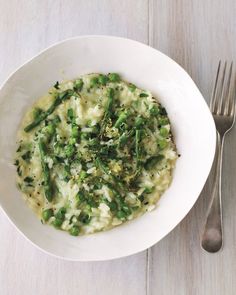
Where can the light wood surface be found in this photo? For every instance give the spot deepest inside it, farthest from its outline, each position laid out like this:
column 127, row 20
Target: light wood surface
column 196, row 33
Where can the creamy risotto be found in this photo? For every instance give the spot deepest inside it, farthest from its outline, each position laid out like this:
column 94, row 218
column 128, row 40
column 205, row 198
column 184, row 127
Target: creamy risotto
column 94, row 153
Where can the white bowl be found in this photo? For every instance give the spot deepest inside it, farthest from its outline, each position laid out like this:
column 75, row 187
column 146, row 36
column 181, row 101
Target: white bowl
column 192, row 123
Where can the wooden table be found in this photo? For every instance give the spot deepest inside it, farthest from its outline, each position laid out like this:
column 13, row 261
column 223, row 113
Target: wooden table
column 195, row 33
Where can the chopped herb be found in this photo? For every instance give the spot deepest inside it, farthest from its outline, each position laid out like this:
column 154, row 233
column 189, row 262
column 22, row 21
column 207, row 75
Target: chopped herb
column 56, row 85
column 28, row 179
column 143, row 95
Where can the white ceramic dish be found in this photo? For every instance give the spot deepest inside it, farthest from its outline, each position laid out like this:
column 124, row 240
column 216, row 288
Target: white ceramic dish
column 193, row 128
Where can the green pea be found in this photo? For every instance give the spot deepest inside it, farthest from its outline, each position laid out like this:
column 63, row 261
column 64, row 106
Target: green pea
column 121, row 214
column 162, row 143
column 92, row 203
column 112, row 205
column 74, row 231
column 148, row 190
column 80, row 197
column 152, row 161
column 78, row 85
column 132, row 87
column 163, row 121
column 126, row 209
column 83, row 175
column 164, row 131
column 154, row 111
column 47, row 214
column 103, row 79
column 93, row 81
column 139, row 121
column 114, row 77
column 57, row 222
column 61, row 213
column 70, row 114
column 84, row 218
column 75, row 131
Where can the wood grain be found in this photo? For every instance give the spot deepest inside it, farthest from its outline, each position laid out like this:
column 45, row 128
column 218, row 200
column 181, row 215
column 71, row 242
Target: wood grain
column 26, row 27
column 197, row 34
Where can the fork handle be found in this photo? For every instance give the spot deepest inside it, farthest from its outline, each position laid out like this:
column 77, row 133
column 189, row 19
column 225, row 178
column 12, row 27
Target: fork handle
column 212, row 238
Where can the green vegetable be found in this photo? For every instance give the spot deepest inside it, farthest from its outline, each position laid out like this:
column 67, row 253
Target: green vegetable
column 59, row 99
column 162, row 143
column 132, row 87
column 37, row 112
column 102, row 79
column 84, row 218
column 143, row 95
column 75, row 131
column 163, row 111
column 154, row 111
column 152, row 161
column 139, row 122
column 56, row 85
column 61, row 213
column 66, row 173
column 141, row 198
column 122, row 117
column 108, row 107
column 19, row 149
column 74, row 231
column 80, row 196
column 148, row 190
column 126, row 209
column 94, row 81
column 70, row 114
column 112, row 205
column 69, row 150
column 18, row 170
column 164, row 131
column 57, row 222
column 99, row 164
column 83, row 175
column 28, row 179
column 78, row 85
column 163, row 121
column 26, row 156
column 121, row 215
column 137, row 144
column 114, row 77
column 47, row 214
column 48, row 189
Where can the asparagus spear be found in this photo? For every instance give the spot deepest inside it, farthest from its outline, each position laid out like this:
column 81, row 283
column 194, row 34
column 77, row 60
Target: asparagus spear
column 108, row 108
column 48, row 190
column 122, row 117
column 137, row 140
column 59, row 99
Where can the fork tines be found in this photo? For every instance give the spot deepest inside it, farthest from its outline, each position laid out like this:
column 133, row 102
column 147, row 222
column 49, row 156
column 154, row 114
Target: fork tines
column 222, row 100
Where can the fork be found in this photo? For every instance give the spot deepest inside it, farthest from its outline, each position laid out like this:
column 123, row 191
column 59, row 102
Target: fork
column 222, row 106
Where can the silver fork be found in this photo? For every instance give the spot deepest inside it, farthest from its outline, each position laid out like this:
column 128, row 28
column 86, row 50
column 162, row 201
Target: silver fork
column 222, row 106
